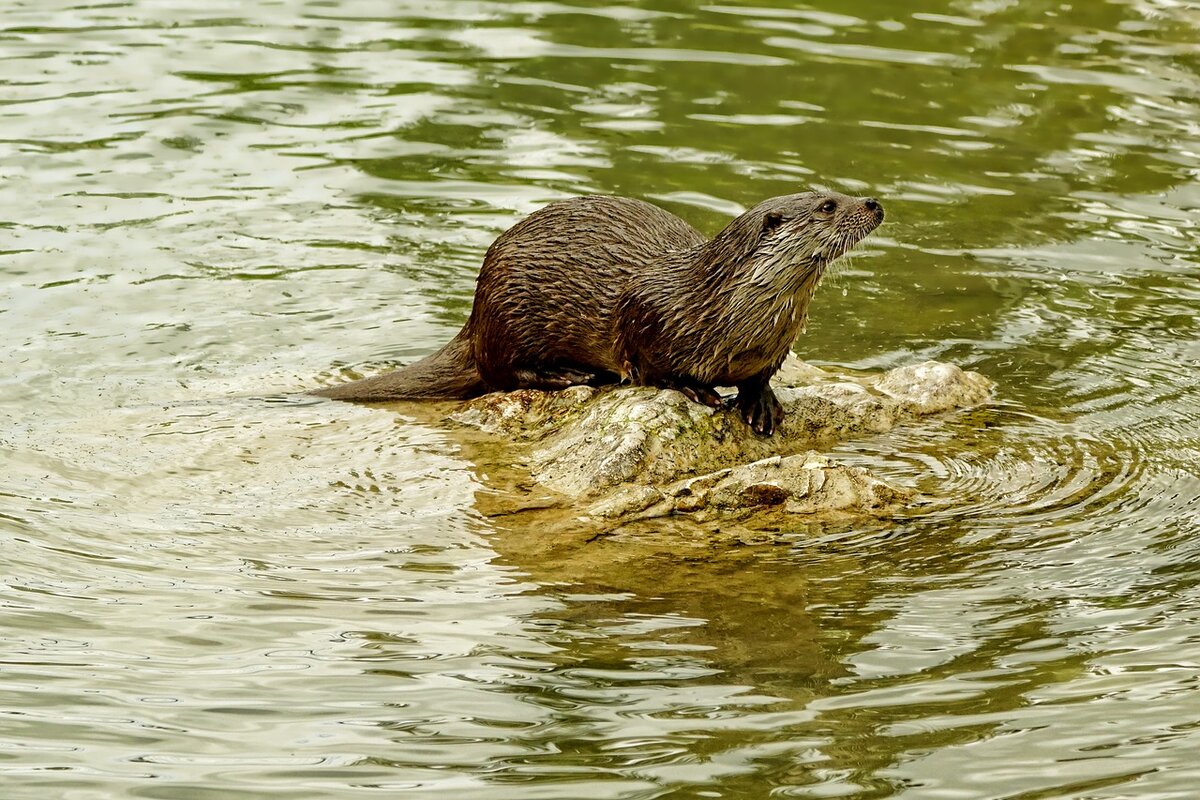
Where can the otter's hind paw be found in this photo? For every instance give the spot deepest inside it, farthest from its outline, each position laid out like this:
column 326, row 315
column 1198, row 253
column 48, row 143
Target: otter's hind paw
column 554, row 378
column 704, row 395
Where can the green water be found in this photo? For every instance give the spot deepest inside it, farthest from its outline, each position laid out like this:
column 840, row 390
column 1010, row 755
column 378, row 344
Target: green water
column 209, row 594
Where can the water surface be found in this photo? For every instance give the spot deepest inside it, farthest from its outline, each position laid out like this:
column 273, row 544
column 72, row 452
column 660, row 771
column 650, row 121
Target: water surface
column 212, row 592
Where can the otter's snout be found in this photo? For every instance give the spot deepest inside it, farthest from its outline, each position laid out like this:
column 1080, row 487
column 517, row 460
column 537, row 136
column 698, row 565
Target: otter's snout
column 875, row 207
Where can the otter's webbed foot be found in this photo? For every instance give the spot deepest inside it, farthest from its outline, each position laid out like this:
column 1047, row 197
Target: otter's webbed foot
column 697, row 393
column 759, row 407
column 558, row 378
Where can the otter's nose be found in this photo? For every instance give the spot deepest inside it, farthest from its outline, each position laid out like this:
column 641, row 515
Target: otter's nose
column 874, row 205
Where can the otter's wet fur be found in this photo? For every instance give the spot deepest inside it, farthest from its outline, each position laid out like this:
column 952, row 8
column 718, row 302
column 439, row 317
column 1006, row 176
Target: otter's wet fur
column 599, row 289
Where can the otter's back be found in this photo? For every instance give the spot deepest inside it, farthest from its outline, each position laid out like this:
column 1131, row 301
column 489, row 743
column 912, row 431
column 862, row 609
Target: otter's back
column 549, row 285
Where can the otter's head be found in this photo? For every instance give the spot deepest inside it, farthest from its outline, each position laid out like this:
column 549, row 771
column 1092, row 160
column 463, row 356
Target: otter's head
column 797, row 235
column 817, row 225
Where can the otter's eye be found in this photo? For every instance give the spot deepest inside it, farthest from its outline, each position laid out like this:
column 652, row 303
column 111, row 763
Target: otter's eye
column 828, row 207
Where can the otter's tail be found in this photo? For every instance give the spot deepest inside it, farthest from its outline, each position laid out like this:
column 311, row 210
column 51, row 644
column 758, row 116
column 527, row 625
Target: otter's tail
column 448, row 374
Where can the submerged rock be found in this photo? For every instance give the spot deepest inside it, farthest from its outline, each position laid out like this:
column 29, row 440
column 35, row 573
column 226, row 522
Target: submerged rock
column 639, row 452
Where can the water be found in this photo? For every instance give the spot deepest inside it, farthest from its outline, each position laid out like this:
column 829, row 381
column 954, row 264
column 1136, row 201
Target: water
column 210, row 591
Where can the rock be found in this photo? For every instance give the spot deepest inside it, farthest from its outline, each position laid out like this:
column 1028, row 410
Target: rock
column 798, row 484
column 644, row 435
column 639, row 452
column 525, row 413
column 834, row 411
column 932, row 388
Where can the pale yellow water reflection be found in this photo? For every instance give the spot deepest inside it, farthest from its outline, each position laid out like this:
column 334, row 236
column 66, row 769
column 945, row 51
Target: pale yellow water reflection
column 213, row 591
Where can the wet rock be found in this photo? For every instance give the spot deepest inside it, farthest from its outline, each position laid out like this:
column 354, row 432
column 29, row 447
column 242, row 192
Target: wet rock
column 932, row 388
column 523, row 414
column 799, row 484
column 638, row 452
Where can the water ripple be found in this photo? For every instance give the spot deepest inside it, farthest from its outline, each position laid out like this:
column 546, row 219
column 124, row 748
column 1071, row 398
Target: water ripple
column 210, row 206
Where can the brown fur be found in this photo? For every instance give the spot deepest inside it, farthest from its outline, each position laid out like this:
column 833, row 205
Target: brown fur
column 592, row 288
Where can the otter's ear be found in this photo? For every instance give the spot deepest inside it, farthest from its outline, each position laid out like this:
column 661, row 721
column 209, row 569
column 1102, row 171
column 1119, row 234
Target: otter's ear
column 772, row 220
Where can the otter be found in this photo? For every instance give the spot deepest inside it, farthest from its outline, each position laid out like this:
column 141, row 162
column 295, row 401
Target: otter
column 600, row 289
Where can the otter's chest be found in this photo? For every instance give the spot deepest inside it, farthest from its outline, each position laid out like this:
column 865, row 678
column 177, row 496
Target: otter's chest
column 761, row 341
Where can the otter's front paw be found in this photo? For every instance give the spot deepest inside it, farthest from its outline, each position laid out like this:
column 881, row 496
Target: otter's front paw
column 761, row 410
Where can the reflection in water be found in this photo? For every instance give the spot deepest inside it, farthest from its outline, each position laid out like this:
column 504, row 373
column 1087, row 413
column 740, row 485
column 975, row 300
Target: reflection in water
column 212, row 594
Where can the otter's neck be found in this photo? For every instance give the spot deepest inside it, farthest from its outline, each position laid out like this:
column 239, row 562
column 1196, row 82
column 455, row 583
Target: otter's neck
column 767, row 275
column 766, row 298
